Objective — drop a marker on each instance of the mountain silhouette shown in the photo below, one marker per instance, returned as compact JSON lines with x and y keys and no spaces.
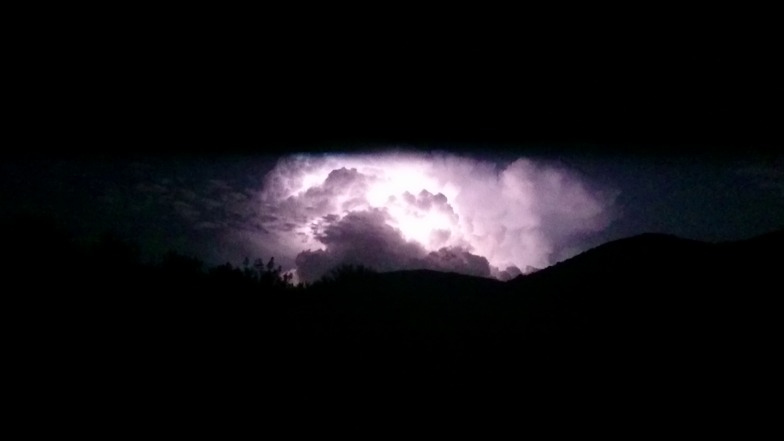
{"x":649,"y":297}
{"x":652,"y":306}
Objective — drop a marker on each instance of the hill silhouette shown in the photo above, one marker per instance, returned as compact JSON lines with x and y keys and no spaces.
{"x":646,"y":303}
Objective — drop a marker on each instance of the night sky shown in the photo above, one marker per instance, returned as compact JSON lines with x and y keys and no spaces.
{"x":450,"y":148}
{"x":528,"y":158}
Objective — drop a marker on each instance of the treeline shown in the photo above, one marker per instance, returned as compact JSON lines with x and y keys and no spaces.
{"x":75,"y":304}
{"x":41,"y":258}
{"x":646,"y":301}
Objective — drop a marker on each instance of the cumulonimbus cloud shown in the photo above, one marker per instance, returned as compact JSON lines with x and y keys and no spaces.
{"x":437,"y":211}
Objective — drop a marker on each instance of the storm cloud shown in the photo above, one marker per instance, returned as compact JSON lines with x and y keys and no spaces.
{"x":366,"y":238}
{"x":437,"y":211}
{"x":396,"y":211}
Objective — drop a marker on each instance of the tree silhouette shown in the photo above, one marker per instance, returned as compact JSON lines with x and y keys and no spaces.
{"x":268,"y":275}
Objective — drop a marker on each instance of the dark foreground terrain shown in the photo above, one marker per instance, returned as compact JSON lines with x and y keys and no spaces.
{"x":647,"y":313}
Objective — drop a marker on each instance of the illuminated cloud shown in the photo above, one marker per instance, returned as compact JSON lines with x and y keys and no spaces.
{"x":393,"y":211}
{"x":438,"y":211}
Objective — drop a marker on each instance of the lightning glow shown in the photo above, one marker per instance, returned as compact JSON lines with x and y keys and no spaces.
{"x":506,"y":214}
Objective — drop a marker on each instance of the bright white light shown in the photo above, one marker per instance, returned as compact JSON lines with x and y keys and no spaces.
{"x":422,"y":227}
{"x":505,"y":214}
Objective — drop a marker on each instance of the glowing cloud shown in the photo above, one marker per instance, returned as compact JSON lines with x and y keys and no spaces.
{"x":440,"y":211}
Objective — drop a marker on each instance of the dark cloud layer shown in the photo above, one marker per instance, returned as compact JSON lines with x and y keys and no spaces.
{"x":457,"y":260}
{"x":365,"y":238}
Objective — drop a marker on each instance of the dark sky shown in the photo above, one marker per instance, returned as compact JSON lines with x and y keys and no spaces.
{"x":686,"y":132}
{"x":160,"y":82}
{"x":208,"y":205}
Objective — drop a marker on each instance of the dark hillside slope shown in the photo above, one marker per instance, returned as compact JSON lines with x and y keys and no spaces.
{"x":660,"y":293}
{"x":642,"y":296}
{"x":649,"y":301}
